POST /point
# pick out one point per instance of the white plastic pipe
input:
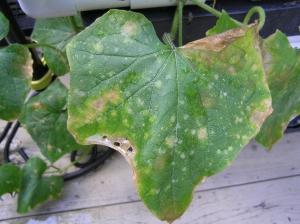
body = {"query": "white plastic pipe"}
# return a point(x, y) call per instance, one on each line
point(56, 8)
point(139, 4)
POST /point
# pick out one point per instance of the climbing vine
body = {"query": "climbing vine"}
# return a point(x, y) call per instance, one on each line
point(177, 114)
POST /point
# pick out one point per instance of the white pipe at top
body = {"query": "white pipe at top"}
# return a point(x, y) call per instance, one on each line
point(56, 8)
point(139, 4)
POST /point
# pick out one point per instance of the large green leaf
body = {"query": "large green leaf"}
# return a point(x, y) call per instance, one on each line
point(10, 177)
point(15, 76)
point(177, 115)
point(45, 118)
point(4, 26)
point(282, 65)
point(36, 188)
point(56, 32)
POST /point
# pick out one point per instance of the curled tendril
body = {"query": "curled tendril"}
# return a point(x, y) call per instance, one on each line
point(261, 14)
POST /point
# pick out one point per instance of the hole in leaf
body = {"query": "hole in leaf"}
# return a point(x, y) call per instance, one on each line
point(117, 144)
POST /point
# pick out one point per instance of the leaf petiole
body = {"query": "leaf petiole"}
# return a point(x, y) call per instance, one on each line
point(212, 10)
point(63, 170)
point(180, 9)
point(75, 24)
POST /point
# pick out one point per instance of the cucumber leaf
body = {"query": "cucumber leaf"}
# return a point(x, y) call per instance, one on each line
point(282, 65)
point(10, 177)
point(282, 69)
point(56, 32)
point(15, 77)
point(36, 188)
point(45, 118)
point(4, 26)
point(177, 115)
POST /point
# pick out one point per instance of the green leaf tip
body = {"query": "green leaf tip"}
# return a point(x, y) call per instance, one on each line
point(36, 188)
point(10, 177)
point(4, 26)
point(177, 115)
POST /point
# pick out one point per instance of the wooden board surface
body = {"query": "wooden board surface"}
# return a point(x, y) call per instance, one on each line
point(268, 202)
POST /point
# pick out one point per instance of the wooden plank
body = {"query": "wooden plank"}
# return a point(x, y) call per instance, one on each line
point(113, 182)
point(269, 202)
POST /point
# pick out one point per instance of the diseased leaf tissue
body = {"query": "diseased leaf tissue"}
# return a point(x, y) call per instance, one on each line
point(282, 69)
point(177, 114)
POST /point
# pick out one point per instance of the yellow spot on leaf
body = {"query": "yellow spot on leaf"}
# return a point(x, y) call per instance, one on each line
point(173, 119)
point(202, 133)
point(129, 29)
point(238, 120)
point(158, 84)
point(208, 102)
point(50, 147)
point(98, 47)
point(111, 96)
point(259, 116)
point(37, 105)
point(170, 141)
point(182, 156)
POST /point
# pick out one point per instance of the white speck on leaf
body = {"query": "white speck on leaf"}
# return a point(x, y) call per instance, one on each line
point(158, 84)
point(170, 141)
point(202, 133)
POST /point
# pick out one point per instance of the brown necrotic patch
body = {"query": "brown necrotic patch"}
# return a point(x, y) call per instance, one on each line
point(111, 96)
point(217, 42)
point(130, 28)
point(259, 116)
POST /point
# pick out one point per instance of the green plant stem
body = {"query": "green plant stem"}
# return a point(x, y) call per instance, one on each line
point(38, 45)
point(207, 8)
point(180, 31)
point(174, 28)
point(213, 11)
point(261, 13)
point(61, 171)
point(74, 24)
